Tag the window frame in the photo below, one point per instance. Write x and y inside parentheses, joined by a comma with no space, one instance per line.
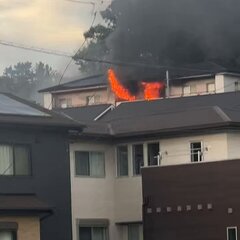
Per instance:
(209,84)
(92,223)
(132,158)
(13,233)
(13,146)
(140,230)
(202,153)
(116,162)
(89,162)
(159,147)
(232,227)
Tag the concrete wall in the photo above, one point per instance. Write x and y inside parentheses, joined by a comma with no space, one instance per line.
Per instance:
(28,227)
(79,98)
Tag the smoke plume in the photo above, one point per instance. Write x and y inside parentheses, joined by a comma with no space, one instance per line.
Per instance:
(175,33)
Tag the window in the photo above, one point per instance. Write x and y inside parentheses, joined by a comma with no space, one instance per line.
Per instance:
(64,102)
(122,161)
(135,232)
(15,160)
(92,233)
(237,86)
(232,233)
(153,154)
(138,161)
(7,235)
(193,89)
(91,100)
(186,90)
(90,164)
(211,87)
(196,152)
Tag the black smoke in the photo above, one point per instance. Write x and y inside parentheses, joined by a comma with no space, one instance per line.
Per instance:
(175,33)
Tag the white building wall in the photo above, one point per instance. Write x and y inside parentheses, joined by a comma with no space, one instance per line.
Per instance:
(233,145)
(119,199)
(177,151)
(93,198)
(47,100)
(199,87)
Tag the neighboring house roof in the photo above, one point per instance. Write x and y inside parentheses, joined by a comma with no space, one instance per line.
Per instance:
(83,83)
(168,116)
(86,113)
(19,112)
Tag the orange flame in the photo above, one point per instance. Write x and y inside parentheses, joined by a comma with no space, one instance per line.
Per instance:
(152,90)
(118,89)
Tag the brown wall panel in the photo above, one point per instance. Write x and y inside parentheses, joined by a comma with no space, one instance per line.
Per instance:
(215,183)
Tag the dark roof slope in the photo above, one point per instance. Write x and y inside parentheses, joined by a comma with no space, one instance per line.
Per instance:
(19,112)
(87,82)
(86,113)
(171,115)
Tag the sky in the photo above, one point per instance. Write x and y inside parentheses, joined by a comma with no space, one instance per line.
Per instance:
(50,24)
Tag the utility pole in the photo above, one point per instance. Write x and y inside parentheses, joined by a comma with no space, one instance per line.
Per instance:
(167,88)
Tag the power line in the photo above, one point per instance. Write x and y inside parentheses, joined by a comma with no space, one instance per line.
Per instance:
(35,49)
(110,62)
(71,60)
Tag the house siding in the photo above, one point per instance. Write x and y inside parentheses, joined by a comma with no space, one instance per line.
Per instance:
(50,179)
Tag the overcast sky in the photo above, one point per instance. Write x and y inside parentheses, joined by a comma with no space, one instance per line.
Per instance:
(51,24)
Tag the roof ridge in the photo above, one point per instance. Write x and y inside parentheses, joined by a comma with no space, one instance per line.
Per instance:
(222,114)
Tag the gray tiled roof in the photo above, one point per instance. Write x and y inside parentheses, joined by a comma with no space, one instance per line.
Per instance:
(166,116)
(92,81)
(19,112)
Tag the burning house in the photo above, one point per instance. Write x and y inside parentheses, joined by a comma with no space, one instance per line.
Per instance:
(115,87)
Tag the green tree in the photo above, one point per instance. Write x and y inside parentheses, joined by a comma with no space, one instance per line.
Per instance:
(96,47)
(24,80)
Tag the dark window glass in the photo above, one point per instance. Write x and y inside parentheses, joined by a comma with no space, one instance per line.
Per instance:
(82,163)
(122,161)
(138,161)
(22,160)
(232,233)
(90,164)
(196,152)
(15,160)
(135,232)
(7,235)
(92,233)
(153,154)
(85,233)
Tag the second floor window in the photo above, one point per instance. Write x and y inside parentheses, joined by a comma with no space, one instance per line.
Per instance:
(196,151)
(138,160)
(90,164)
(15,160)
(122,161)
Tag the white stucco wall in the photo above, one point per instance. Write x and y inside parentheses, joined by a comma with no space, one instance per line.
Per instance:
(200,85)
(47,100)
(92,198)
(119,199)
(177,151)
(233,145)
